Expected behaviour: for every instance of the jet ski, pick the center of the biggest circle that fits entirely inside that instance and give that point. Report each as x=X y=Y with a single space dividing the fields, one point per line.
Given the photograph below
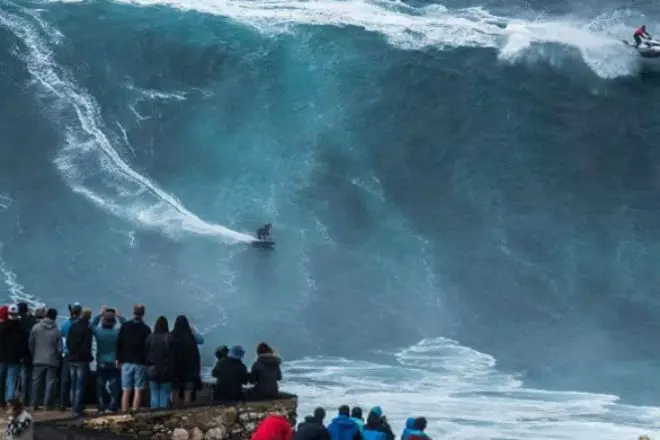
x=648 y=48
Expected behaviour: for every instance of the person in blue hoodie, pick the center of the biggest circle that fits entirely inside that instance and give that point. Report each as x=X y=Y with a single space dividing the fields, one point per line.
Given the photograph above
x=377 y=427
x=105 y=328
x=410 y=427
x=342 y=427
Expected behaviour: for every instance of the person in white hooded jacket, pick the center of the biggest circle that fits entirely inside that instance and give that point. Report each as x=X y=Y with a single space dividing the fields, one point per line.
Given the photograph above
x=19 y=426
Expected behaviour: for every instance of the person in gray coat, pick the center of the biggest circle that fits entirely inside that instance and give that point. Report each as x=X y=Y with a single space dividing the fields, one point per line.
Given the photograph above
x=46 y=347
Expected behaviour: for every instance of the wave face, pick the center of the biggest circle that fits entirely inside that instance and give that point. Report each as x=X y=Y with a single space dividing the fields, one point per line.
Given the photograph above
x=466 y=171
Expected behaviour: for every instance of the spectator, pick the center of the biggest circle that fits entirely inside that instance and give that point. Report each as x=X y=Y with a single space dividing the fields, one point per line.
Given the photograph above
x=356 y=416
x=106 y=331
x=40 y=314
x=13 y=346
x=312 y=428
x=342 y=427
x=273 y=427
x=79 y=340
x=419 y=425
x=221 y=352
x=409 y=428
x=187 y=360
x=231 y=374
x=132 y=359
x=45 y=344
x=377 y=427
x=265 y=372
x=27 y=322
x=66 y=395
x=19 y=426
x=4 y=313
x=160 y=361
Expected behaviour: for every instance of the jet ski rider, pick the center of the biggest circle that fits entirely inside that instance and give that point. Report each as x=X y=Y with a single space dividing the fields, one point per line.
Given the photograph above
x=264 y=233
x=639 y=34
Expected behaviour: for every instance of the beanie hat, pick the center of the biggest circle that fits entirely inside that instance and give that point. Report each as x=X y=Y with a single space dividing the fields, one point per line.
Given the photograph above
x=4 y=313
x=13 y=309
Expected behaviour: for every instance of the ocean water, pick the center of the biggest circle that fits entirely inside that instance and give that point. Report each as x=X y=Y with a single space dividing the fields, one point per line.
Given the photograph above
x=464 y=195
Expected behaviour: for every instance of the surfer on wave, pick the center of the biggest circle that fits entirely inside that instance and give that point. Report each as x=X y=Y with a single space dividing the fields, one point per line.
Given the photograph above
x=264 y=233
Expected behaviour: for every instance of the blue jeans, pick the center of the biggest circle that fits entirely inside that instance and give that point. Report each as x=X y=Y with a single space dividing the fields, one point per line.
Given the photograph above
x=38 y=373
x=110 y=375
x=78 y=375
x=13 y=372
x=159 y=392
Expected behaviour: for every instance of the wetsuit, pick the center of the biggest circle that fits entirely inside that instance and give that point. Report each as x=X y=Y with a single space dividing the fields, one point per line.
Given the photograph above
x=639 y=34
x=263 y=233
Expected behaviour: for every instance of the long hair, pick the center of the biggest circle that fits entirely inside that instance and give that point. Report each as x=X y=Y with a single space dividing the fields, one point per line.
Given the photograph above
x=181 y=327
x=161 y=325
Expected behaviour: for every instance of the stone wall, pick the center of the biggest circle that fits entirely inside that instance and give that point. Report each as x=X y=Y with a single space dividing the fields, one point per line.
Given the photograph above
x=234 y=421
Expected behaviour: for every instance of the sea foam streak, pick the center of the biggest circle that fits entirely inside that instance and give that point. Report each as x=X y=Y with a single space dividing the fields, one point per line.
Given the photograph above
x=89 y=162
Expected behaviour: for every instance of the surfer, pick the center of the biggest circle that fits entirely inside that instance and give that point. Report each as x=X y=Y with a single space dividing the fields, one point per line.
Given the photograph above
x=264 y=233
x=639 y=34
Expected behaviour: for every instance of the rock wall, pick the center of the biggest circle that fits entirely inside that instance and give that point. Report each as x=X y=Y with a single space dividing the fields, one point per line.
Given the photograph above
x=234 y=421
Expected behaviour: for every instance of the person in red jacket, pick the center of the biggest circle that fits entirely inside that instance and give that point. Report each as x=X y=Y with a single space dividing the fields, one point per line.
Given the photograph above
x=639 y=34
x=273 y=427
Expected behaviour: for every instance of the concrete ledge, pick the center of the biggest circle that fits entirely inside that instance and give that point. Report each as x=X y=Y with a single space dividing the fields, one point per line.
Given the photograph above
x=221 y=421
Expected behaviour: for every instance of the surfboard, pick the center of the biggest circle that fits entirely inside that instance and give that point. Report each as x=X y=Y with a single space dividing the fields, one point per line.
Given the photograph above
x=263 y=243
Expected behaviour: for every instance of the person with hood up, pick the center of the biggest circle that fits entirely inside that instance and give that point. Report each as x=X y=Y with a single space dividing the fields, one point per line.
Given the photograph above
x=312 y=428
x=160 y=364
x=273 y=427
x=66 y=395
x=231 y=374
x=46 y=347
x=187 y=367
x=27 y=322
x=19 y=425
x=265 y=373
x=105 y=328
x=342 y=427
x=79 y=341
x=13 y=346
x=356 y=416
x=377 y=427
x=410 y=428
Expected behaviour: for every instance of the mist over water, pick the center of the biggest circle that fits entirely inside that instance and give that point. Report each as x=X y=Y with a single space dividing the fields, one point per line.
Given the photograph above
x=463 y=195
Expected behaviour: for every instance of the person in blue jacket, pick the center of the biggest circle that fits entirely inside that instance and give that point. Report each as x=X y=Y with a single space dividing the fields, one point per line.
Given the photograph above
x=342 y=427
x=410 y=427
x=356 y=416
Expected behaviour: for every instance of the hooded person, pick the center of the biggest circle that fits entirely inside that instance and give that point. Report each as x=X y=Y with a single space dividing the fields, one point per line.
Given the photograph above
x=265 y=373
x=231 y=374
x=377 y=427
x=273 y=427
x=417 y=433
x=13 y=347
x=46 y=347
x=410 y=427
x=312 y=428
x=342 y=427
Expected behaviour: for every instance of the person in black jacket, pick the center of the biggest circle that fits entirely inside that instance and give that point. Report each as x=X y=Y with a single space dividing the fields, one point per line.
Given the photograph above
x=312 y=428
x=187 y=361
x=265 y=373
x=132 y=359
x=13 y=346
x=231 y=374
x=79 y=342
x=160 y=362
x=27 y=322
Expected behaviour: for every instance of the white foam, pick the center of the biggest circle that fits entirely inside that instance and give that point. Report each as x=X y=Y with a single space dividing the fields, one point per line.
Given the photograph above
x=15 y=288
x=463 y=396
x=89 y=162
x=414 y=28
x=5 y=202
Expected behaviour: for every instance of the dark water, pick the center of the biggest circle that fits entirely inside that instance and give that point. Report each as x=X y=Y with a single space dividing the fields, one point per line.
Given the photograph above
x=421 y=180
